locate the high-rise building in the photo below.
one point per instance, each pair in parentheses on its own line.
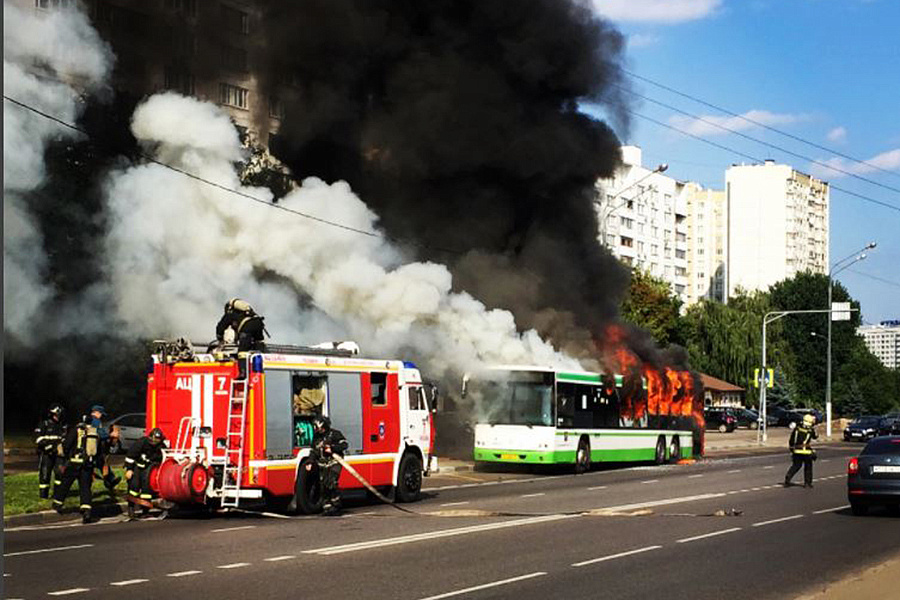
(883,341)
(707,223)
(777,225)
(642,218)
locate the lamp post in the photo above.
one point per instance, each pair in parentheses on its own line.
(605,214)
(834,270)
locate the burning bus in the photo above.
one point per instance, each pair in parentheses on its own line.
(240,423)
(540,415)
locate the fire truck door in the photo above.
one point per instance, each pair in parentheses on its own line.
(418,429)
(381,422)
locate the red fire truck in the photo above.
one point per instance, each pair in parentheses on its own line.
(239,424)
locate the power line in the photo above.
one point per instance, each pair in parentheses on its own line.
(237,192)
(758,124)
(754,158)
(758,141)
(876,278)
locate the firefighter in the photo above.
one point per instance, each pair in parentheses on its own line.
(248,327)
(106,439)
(327,443)
(81,448)
(141,457)
(50,433)
(802,453)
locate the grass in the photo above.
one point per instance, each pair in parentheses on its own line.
(20,494)
(18,440)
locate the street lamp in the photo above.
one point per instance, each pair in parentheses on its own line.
(605,214)
(834,270)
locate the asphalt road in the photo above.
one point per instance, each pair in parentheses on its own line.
(644,532)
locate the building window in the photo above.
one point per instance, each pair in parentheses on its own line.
(234,58)
(276,108)
(186,7)
(626,222)
(627,242)
(179,80)
(699,251)
(48,4)
(680,271)
(236,21)
(680,237)
(232,95)
(679,253)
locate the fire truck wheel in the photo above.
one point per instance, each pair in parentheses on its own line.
(675,453)
(308,489)
(660,457)
(409,478)
(583,456)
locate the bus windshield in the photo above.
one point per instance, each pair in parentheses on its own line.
(522,399)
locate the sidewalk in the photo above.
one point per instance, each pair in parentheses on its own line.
(875,583)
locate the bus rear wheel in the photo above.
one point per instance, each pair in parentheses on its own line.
(660,457)
(583,457)
(675,454)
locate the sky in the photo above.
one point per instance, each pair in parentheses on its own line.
(824,71)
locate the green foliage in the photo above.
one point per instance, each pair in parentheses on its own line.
(20,494)
(652,306)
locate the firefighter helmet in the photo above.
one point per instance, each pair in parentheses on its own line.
(809,420)
(156,435)
(321,423)
(56,410)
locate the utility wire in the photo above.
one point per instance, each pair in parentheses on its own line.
(754,158)
(876,278)
(225,188)
(758,124)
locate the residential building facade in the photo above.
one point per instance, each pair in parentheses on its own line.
(707,223)
(883,341)
(717,392)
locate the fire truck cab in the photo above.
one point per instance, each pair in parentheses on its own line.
(239,424)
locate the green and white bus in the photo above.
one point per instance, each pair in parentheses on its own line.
(538,415)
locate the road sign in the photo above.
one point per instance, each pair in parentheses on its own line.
(769,376)
(843,311)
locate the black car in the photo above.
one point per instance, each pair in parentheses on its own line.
(747,418)
(889,426)
(720,418)
(862,429)
(873,477)
(785,418)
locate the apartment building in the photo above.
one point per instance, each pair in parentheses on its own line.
(883,341)
(777,225)
(642,216)
(707,224)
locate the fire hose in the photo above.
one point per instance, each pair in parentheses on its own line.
(369,486)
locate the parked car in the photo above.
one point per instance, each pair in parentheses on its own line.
(131,429)
(873,477)
(862,429)
(784,417)
(720,418)
(889,425)
(810,411)
(747,418)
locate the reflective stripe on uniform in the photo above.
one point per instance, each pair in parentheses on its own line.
(129,460)
(43,485)
(55,501)
(146,496)
(57,482)
(88,506)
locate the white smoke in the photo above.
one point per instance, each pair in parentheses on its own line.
(49,59)
(179,248)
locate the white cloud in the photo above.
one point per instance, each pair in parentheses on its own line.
(837,135)
(712,124)
(656,11)
(641,40)
(889,160)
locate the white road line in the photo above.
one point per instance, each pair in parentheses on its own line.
(597,487)
(612,556)
(695,476)
(650,481)
(769,467)
(790,518)
(824,460)
(662,502)
(233,566)
(828,510)
(455,503)
(735,471)
(233,528)
(430,535)
(707,535)
(532,495)
(183,573)
(69,591)
(485,586)
(128,582)
(42,550)
(278,558)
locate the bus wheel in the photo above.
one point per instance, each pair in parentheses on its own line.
(583,456)
(308,488)
(409,478)
(660,457)
(675,453)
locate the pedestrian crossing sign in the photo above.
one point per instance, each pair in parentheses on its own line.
(769,378)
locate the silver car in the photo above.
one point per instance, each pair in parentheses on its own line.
(131,429)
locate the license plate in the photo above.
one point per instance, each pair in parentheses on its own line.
(855,434)
(885,469)
(509,456)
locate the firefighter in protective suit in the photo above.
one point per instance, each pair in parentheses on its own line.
(248,326)
(141,457)
(802,453)
(82,449)
(327,443)
(49,436)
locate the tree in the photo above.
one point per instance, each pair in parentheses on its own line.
(651,305)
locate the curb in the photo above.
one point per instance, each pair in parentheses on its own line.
(51,516)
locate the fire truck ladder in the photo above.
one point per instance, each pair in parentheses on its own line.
(234,447)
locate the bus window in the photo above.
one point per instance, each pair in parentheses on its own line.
(565,405)
(379,389)
(606,406)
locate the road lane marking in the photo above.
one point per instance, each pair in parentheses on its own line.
(430,535)
(650,481)
(769,467)
(824,460)
(695,476)
(735,471)
(42,550)
(69,591)
(828,510)
(663,502)
(596,487)
(708,535)
(129,582)
(233,528)
(485,586)
(532,495)
(612,556)
(455,503)
(278,558)
(790,518)
(183,573)
(233,566)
